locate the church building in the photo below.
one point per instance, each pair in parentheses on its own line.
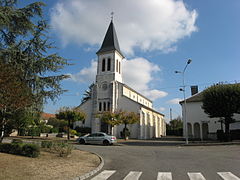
(109,93)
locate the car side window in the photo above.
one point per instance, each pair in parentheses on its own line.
(100,135)
(92,135)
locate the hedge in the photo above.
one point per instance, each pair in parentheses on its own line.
(29,150)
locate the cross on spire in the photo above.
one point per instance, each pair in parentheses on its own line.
(112,13)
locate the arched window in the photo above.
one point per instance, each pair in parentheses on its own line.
(108,108)
(100,106)
(109,64)
(117,66)
(103,65)
(104,106)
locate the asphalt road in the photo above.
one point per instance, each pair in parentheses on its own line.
(152,158)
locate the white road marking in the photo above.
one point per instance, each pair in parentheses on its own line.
(164,176)
(228,176)
(133,175)
(104,175)
(196,176)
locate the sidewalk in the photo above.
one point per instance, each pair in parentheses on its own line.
(172,142)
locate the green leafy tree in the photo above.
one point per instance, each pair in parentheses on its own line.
(222,101)
(70,115)
(128,118)
(15,95)
(88,94)
(57,124)
(110,118)
(24,45)
(175,127)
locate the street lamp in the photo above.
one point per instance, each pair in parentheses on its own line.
(184,96)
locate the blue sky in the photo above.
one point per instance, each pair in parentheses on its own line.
(158,35)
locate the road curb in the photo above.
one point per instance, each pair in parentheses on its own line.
(211,144)
(91,173)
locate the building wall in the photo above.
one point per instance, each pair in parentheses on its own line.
(136,97)
(197,117)
(87,109)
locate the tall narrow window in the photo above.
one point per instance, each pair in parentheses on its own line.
(108,106)
(100,106)
(109,64)
(104,106)
(103,65)
(117,66)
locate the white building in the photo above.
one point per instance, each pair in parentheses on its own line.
(109,93)
(199,125)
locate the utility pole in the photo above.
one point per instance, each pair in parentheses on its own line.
(170,114)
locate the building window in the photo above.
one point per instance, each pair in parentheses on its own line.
(108,108)
(104,106)
(100,106)
(117,66)
(109,64)
(103,65)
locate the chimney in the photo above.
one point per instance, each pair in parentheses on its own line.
(194,90)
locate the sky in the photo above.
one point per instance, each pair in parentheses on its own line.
(157,38)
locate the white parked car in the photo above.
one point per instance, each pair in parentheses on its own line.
(97,138)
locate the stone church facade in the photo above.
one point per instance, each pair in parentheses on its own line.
(109,93)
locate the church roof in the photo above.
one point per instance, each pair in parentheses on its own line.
(110,41)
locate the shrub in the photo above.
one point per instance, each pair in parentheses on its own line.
(62,148)
(46,144)
(73,132)
(16,148)
(17,141)
(5,147)
(31,150)
(54,130)
(83,130)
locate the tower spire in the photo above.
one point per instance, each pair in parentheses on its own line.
(110,41)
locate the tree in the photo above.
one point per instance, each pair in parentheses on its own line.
(110,118)
(57,124)
(15,95)
(24,45)
(70,115)
(222,101)
(88,94)
(175,127)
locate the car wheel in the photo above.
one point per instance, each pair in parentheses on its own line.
(82,141)
(105,142)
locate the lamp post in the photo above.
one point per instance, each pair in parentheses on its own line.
(184,97)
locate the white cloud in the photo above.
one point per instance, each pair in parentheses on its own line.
(86,75)
(137,73)
(174,101)
(154,25)
(161,109)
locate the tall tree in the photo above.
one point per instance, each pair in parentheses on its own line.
(70,115)
(25,45)
(15,95)
(88,94)
(222,101)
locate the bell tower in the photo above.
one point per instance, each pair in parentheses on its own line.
(109,58)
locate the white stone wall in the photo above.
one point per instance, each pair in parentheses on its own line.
(136,97)
(195,114)
(87,109)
